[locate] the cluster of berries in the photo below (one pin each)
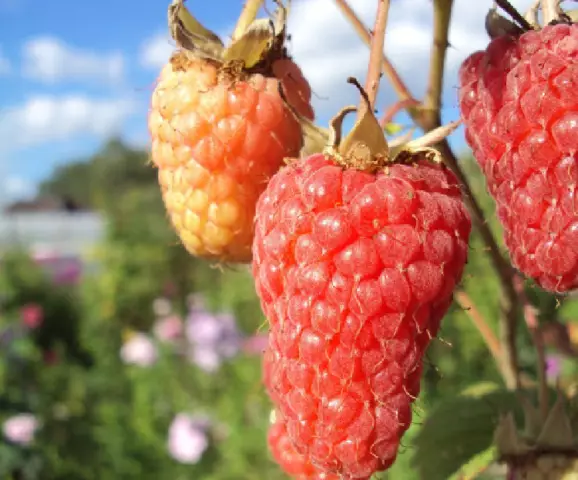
(355, 251)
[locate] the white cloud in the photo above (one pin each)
(328, 49)
(16, 187)
(156, 51)
(50, 60)
(45, 118)
(5, 66)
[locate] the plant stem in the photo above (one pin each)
(428, 119)
(442, 17)
(492, 342)
(248, 15)
(394, 109)
(550, 11)
(376, 53)
(507, 7)
(396, 81)
(531, 14)
(508, 336)
(533, 327)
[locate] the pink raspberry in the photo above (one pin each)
(519, 103)
(355, 272)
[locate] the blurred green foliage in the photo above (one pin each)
(103, 419)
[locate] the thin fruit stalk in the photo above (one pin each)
(519, 103)
(221, 128)
(355, 260)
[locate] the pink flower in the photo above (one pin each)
(32, 315)
(139, 350)
(212, 338)
(553, 367)
(168, 328)
(20, 428)
(188, 439)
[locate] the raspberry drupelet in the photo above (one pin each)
(519, 103)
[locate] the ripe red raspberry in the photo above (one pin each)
(355, 272)
(292, 463)
(519, 102)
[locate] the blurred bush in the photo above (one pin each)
(149, 367)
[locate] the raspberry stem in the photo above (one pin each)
(533, 327)
(248, 15)
(490, 338)
(396, 81)
(442, 17)
(394, 109)
(376, 54)
(507, 7)
(531, 14)
(429, 119)
(550, 11)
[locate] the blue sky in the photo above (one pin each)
(73, 73)
(111, 34)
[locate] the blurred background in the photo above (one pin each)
(122, 357)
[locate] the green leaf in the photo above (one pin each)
(459, 429)
(476, 465)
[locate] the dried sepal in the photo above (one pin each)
(409, 155)
(434, 136)
(557, 430)
(315, 138)
(365, 146)
(507, 439)
(397, 144)
(497, 26)
(262, 42)
(191, 35)
(532, 418)
(264, 38)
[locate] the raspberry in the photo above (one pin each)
(354, 271)
(289, 460)
(218, 134)
(518, 100)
